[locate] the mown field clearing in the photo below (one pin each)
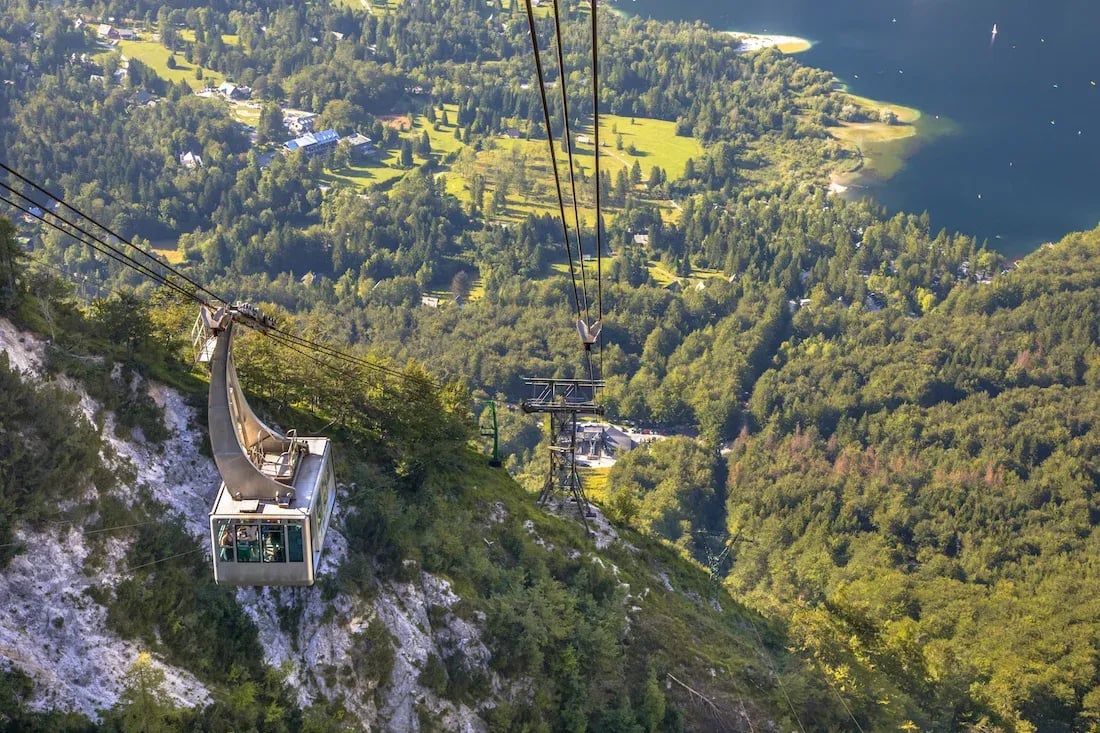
(594, 483)
(362, 174)
(654, 142)
(171, 254)
(372, 6)
(155, 56)
(523, 168)
(227, 38)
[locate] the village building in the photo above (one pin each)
(360, 145)
(234, 91)
(299, 122)
(314, 144)
(190, 160)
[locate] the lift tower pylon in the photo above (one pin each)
(563, 400)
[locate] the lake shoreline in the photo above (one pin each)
(882, 142)
(749, 42)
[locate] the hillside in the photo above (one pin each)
(448, 602)
(917, 497)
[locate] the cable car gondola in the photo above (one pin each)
(271, 515)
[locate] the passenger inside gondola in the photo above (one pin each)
(225, 542)
(272, 539)
(247, 545)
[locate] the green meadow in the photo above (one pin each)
(377, 172)
(648, 142)
(655, 143)
(228, 39)
(371, 6)
(665, 277)
(155, 56)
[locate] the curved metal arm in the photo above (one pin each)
(235, 431)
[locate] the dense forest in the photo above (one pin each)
(885, 429)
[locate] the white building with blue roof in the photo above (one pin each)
(314, 143)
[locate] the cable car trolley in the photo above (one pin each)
(268, 523)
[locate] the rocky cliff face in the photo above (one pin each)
(56, 633)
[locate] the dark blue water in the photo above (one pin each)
(1023, 166)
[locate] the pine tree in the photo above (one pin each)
(11, 267)
(144, 705)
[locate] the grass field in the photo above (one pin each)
(172, 255)
(526, 163)
(589, 265)
(655, 144)
(477, 291)
(228, 39)
(594, 483)
(246, 112)
(372, 6)
(665, 277)
(155, 56)
(379, 171)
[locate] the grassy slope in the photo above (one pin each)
(655, 144)
(693, 629)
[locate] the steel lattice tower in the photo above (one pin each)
(563, 400)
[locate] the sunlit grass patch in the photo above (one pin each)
(372, 173)
(594, 483)
(655, 143)
(155, 56)
(171, 255)
(229, 39)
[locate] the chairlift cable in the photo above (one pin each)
(351, 359)
(596, 158)
(199, 287)
(297, 348)
(562, 76)
(127, 571)
(843, 704)
(553, 155)
(97, 530)
(778, 679)
(97, 245)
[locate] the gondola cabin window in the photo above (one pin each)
(324, 503)
(269, 541)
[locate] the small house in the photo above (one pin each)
(190, 161)
(299, 122)
(234, 91)
(360, 145)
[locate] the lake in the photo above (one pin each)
(1023, 164)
